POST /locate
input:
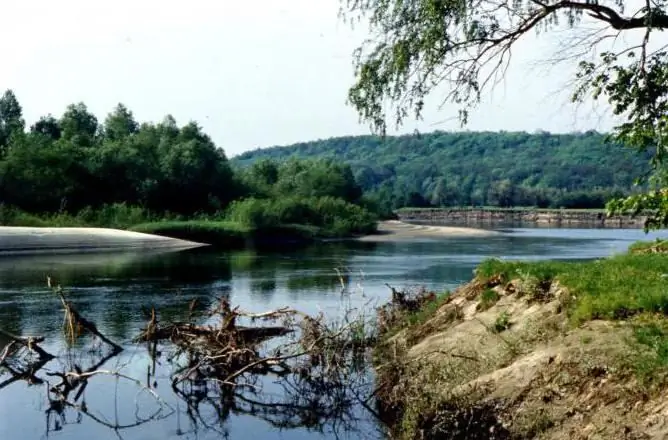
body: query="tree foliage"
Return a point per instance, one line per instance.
(464, 46)
(73, 162)
(456, 169)
(73, 170)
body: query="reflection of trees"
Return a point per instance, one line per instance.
(11, 314)
(321, 281)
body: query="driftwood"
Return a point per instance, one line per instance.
(19, 367)
(29, 342)
(185, 331)
(74, 322)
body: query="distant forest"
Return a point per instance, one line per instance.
(578, 170)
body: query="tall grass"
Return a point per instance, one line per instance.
(119, 216)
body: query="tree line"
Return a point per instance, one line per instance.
(76, 164)
(576, 170)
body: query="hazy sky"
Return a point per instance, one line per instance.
(253, 73)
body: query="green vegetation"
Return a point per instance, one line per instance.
(501, 323)
(604, 318)
(611, 288)
(462, 49)
(488, 298)
(165, 179)
(477, 169)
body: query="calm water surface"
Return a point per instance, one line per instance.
(115, 291)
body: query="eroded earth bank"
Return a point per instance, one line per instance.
(547, 350)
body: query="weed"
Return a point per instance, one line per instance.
(650, 359)
(488, 298)
(501, 323)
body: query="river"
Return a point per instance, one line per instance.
(116, 290)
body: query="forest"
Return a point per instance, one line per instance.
(77, 171)
(503, 169)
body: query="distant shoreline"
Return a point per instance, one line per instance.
(544, 217)
(394, 230)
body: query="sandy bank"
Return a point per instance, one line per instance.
(29, 240)
(397, 230)
(499, 360)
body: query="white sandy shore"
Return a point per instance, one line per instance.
(396, 230)
(27, 240)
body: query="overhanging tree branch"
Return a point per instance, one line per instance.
(462, 43)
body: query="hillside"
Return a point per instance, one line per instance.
(578, 170)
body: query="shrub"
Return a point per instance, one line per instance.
(334, 217)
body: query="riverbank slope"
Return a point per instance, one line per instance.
(548, 350)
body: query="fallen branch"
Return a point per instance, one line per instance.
(74, 319)
(29, 342)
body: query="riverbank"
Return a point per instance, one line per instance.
(392, 230)
(548, 350)
(246, 223)
(538, 217)
(35, 240)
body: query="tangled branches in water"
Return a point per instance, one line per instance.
(225, 351)
(318, 365)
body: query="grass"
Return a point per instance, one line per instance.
(650, 360)
(501, 323)
(632, 287)
(611, 288)
(264, 227)
(656, 246)
(425, 313)
(488, 298)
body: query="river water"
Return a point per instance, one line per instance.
(115, 292)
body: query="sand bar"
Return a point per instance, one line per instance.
(29, 240)
(392, 230)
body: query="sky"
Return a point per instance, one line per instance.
(252, 73)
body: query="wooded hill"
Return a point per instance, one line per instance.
(577, 170)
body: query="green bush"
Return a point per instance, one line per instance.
(334, 217)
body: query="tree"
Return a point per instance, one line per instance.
(120, 124)
(11, 119)
(465, 45)
(47, 126)
(79, 125)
